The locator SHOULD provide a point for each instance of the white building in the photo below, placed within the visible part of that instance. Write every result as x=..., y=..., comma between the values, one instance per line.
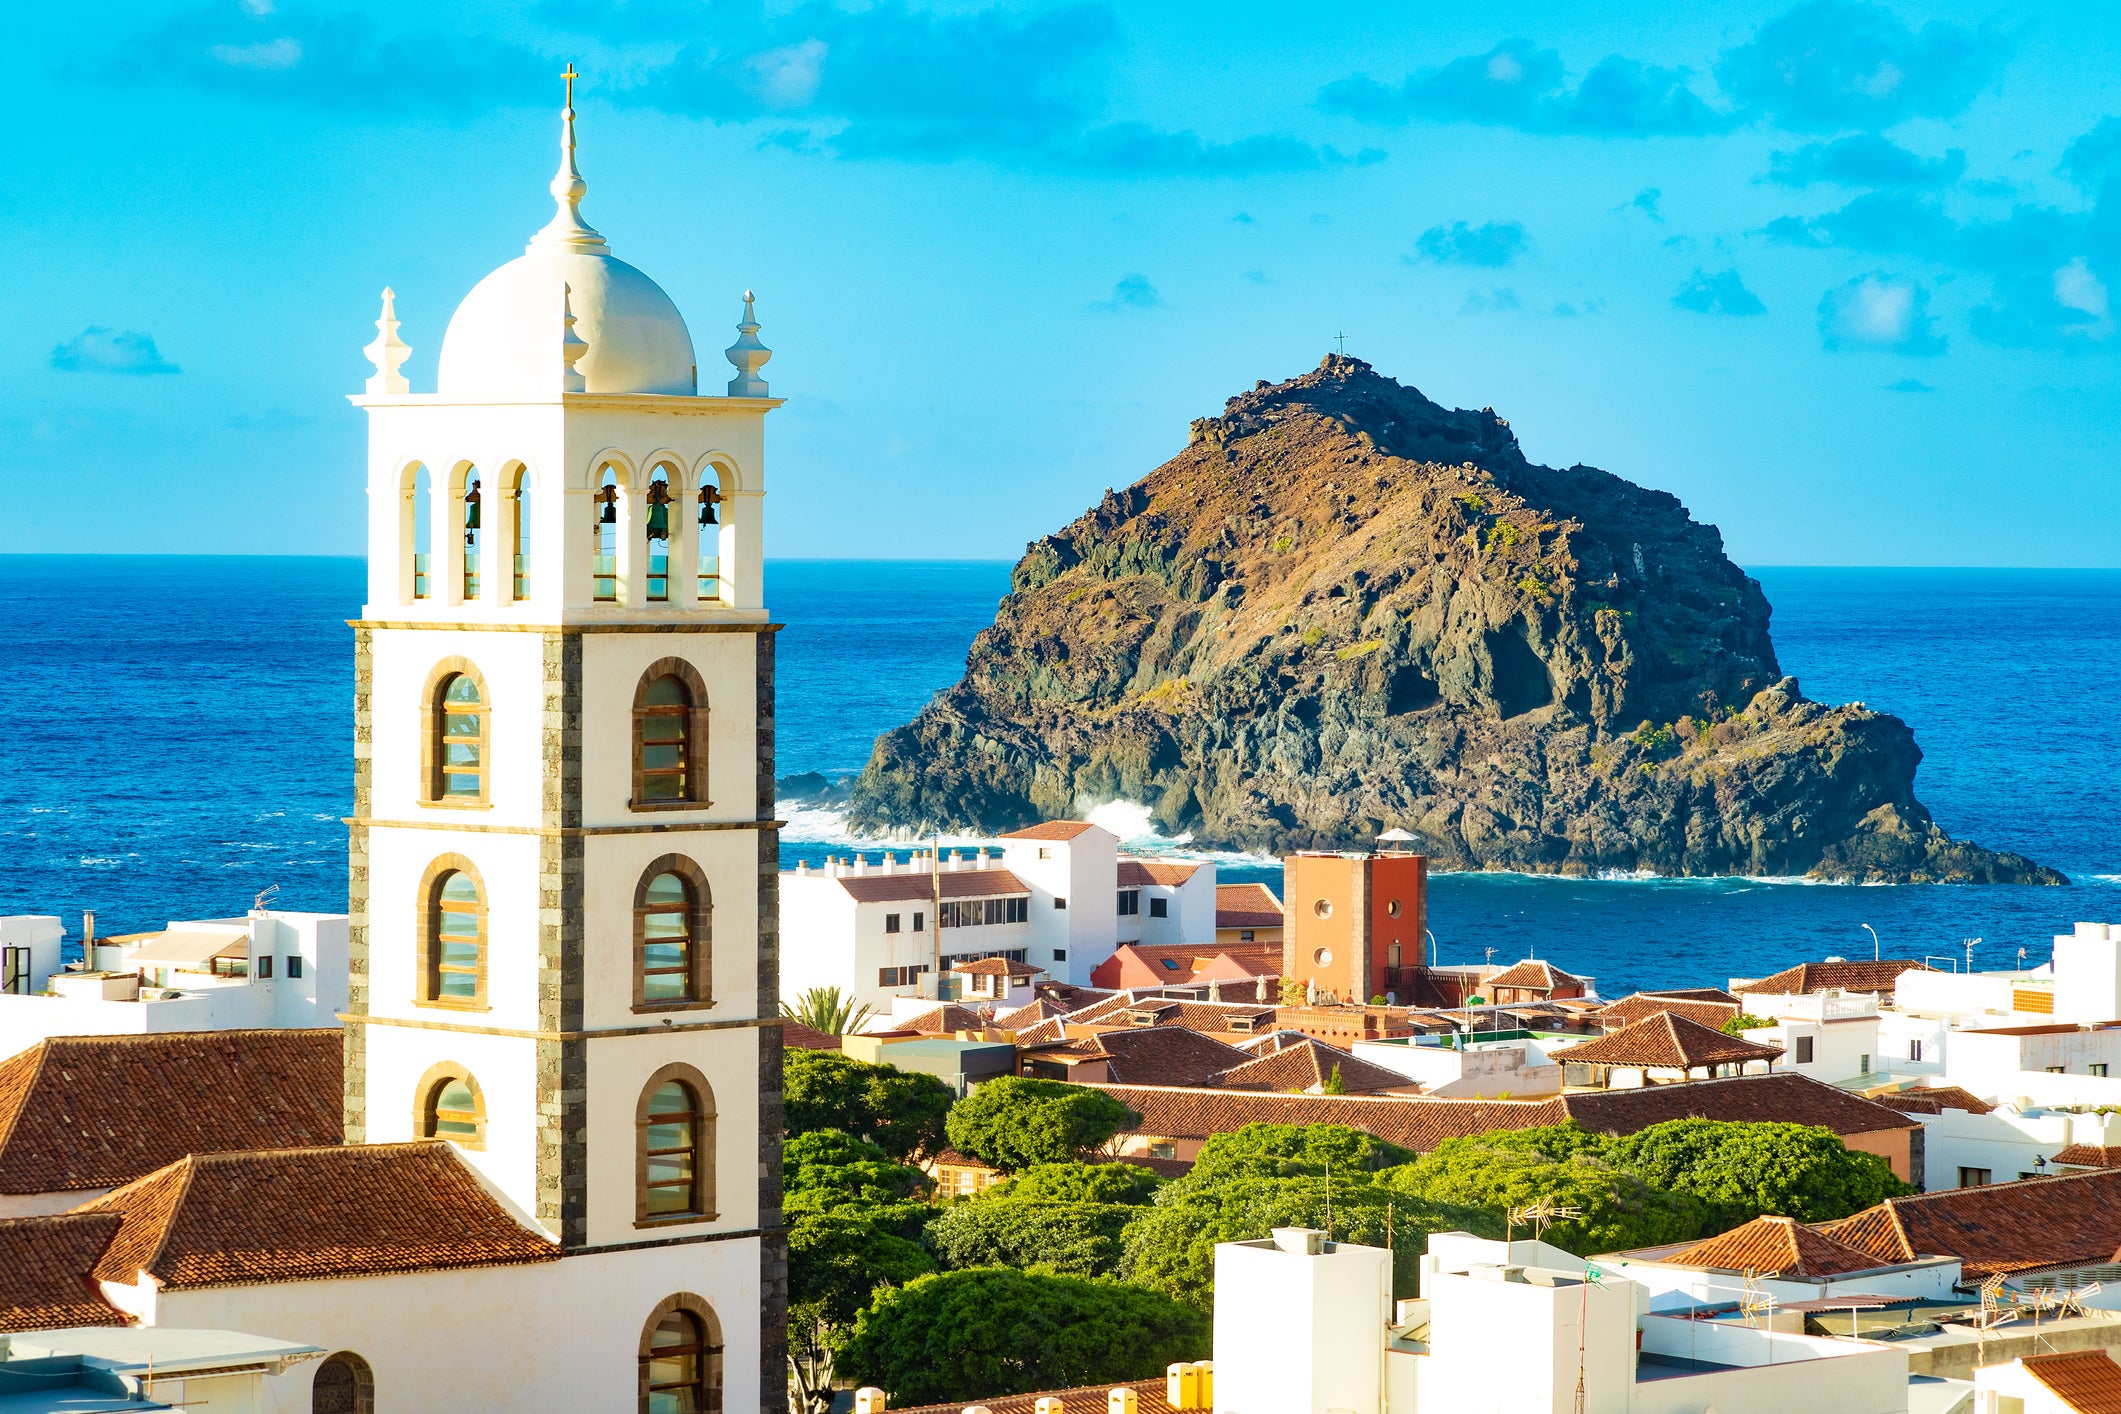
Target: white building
x=85, y=1369
x=1057, y=897
x=1308, y=1326
x=1831, y=1036
x=273, y=968
x=560, y=1185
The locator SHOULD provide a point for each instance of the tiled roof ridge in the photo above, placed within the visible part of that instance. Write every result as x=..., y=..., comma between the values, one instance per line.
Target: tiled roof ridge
x=158, y=1196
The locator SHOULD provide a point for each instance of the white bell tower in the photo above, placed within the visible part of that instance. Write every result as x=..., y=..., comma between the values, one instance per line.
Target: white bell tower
x=563, y=854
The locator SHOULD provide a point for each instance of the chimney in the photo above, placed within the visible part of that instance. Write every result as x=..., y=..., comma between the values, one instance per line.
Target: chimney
x=868, y=1400
x=802, y=866
x=861, y=865
x=88, y=936
x=1303, y=1241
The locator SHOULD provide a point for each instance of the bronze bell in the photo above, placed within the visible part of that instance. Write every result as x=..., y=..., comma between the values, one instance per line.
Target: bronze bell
x=709, y=499
x=610, y=515
x=471, y=513
x=658, y=510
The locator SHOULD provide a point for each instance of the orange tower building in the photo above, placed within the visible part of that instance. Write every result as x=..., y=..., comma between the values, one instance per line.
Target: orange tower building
x=1357, y=924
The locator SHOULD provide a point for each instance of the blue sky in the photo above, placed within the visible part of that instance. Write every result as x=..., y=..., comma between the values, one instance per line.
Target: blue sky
x=1839, y=275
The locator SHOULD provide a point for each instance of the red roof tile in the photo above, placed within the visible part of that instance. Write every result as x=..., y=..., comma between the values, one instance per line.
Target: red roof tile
x=44, y=1267
x=1138, y=873
x=1875, y=976
x=2030, y=1225
x=2089, y=1156
x=1051, y=830
x=997, y=967
x=1665, y=1039
x=2088, y=1381
x=1533, y=975
x=1775, y=1246
x=1090, y=1399
x=298, y=1214
x=97, y=1111
x=1934, y=1099
x=1629, y=1010
x=1306, y=1063
x=1246, y=906
x=1160, y=1055
x=805, y=1038
x=914, y=888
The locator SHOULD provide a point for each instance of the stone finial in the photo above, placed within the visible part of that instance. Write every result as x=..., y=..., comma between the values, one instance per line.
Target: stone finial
x=572, y=345
x=567, y=230
x=388, y=351
x=749, y=356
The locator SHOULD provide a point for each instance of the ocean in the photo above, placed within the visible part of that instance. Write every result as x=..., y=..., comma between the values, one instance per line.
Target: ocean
x=175, y=739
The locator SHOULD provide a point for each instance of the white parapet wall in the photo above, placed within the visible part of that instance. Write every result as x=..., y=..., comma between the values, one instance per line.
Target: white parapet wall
x=1299, y=1324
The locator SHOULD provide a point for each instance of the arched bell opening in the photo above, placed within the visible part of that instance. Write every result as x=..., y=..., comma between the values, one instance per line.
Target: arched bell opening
x=519, y=526
x=474, y=533
x=604, y=523
x=712, y=499
x=421, y=509
x=658, y=529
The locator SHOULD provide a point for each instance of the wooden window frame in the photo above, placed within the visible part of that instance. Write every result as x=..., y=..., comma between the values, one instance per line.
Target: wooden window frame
x=697, y=715
x=432, y=721
x=700, y=952
x=439, y=1074
x=427, y=921
x=711, y=1353
x=704, y=1133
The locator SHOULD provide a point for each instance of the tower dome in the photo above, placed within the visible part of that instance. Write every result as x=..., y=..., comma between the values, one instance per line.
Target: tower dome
x=507, y=336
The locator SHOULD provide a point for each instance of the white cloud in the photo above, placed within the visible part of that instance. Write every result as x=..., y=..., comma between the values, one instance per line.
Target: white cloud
x=1879, y=311
x=98, y=349
x=273, y=55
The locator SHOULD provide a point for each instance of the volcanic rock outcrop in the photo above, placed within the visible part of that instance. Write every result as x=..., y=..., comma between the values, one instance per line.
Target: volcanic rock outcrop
x=1343, y=608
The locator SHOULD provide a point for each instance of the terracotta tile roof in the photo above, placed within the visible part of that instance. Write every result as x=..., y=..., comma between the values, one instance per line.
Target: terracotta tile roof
x=1694, y=994
x=997, y=967
x=44, y=1266
x=298, y=1214
x=804, y=1038
x=1051, y=830
x=1090, y=1399
x=1532, y=974
x=2088, y=1381
x=1668, y=1040
x=1044, y=1033
x=1161, y=1055
x=1246, y=906
x=1421, y=1122
x=2035, y=1223
x=1783, y=1096
x=1172, y=1011
x=946, y=1019
x=1848, y=976
x=1306, y=1063
x=1935, y=1099
x=1134, y=873
x=1775, y=1246
x=916, y=888
x=1629, y=1010
x=2089, y=1156
x=97, y=1111
x=1031, y=1013
x=1143, y=965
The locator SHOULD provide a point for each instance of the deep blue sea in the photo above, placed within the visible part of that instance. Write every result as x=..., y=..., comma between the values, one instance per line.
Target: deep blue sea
x=175, y=737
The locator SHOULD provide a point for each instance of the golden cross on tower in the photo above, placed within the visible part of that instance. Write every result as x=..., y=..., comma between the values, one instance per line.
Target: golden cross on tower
x=570, y=76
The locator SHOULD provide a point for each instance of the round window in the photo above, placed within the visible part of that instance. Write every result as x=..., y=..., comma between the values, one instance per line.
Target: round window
x=1393, y=908
x=1323, y=908
x=1323, y=957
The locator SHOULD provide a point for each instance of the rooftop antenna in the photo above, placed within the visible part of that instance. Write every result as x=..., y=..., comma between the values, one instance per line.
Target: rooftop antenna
x=1340, y=343
x=1538, y=1215
x=257, y=905
x=1971, y=944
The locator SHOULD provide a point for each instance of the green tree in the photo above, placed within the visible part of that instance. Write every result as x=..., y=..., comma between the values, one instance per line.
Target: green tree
x=1014, y=1123
x=1074, y=1182
x=1334, y=1084
x=1265, y=1176
x=1744, y=1022
x=1079, y=1239
x=835, y=1162
x=992, y=1331
x=825, y=1009
x=1737, y=1171
x=899, y=1111
x=1618, y=1211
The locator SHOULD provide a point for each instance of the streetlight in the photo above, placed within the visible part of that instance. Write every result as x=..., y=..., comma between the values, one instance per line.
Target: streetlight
x=1432, y=945
x=1874, y=940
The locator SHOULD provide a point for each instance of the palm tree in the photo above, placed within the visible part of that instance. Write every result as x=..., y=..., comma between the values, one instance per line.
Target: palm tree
x=824, y=1009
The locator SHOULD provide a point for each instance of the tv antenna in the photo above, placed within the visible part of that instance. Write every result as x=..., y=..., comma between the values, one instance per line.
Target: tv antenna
x=257, y=905
x=1971, y=944
x=1538, y=1215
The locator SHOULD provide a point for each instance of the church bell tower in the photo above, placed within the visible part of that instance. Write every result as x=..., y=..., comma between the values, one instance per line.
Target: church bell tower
x=564, y=857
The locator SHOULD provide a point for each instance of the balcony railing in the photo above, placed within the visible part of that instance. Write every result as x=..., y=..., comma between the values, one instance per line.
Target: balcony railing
x=471, y=574
x=522, y=585
x=659, y=575
x=710, y=577
x=606, y=572
x=419, y=575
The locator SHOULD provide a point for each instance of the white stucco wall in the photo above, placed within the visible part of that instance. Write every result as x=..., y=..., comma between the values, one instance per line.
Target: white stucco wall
x=1300, y=1333
x=558, y=1338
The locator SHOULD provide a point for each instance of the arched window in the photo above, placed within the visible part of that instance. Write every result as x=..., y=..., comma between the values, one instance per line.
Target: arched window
x=672, y=936
x=710, y=565
x=474, y=535
x=521, y=499
x=659, y=532
x=422, y=534
x=448, y=1105
x=670, y=737
x=604, y=524
x=343, y=1384
x=459, y=753
x=675, y=1133
x=453, y=936
x=681, y=1359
